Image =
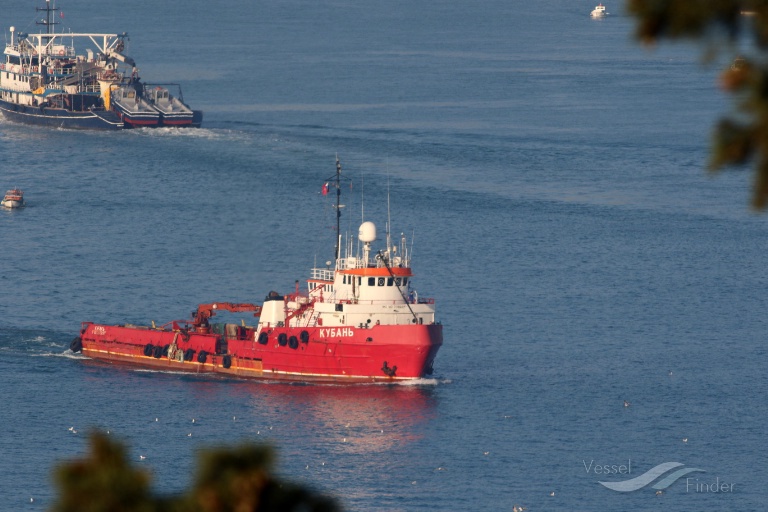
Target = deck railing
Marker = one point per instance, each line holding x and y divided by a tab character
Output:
331	298
323	274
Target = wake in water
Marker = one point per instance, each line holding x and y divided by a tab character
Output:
31	342
67	354
197	133
423	382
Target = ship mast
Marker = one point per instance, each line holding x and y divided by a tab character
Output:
338	207
49	20
336	179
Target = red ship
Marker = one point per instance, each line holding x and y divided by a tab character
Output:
358	322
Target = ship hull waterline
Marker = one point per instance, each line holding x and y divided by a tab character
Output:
330	355
60	118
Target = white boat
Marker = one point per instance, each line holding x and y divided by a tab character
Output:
135	110
173	110
13	198
598	11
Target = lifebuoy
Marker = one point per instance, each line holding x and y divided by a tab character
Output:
202	356
226	362
304	336
189	354
282	339
293	342
61	52
158	352
76	345
148	349
263	338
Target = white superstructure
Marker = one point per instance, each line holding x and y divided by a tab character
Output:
598	11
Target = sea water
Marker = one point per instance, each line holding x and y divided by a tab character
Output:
552	173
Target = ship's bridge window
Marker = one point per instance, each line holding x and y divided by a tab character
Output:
371	281
381	281
390	281
398	281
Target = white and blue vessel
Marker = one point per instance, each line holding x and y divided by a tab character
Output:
45	81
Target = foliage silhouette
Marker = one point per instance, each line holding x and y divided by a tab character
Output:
234	479
723	26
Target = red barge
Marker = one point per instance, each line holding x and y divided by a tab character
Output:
360	321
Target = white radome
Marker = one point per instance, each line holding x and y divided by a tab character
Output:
367	232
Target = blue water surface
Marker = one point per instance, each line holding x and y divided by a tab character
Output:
553	175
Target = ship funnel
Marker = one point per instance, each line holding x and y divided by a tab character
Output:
367	232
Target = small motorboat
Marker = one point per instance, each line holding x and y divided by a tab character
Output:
133	108
598	11
13	198
173	111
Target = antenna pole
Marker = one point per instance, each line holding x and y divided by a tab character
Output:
49	19
336	180
338	207
389	219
